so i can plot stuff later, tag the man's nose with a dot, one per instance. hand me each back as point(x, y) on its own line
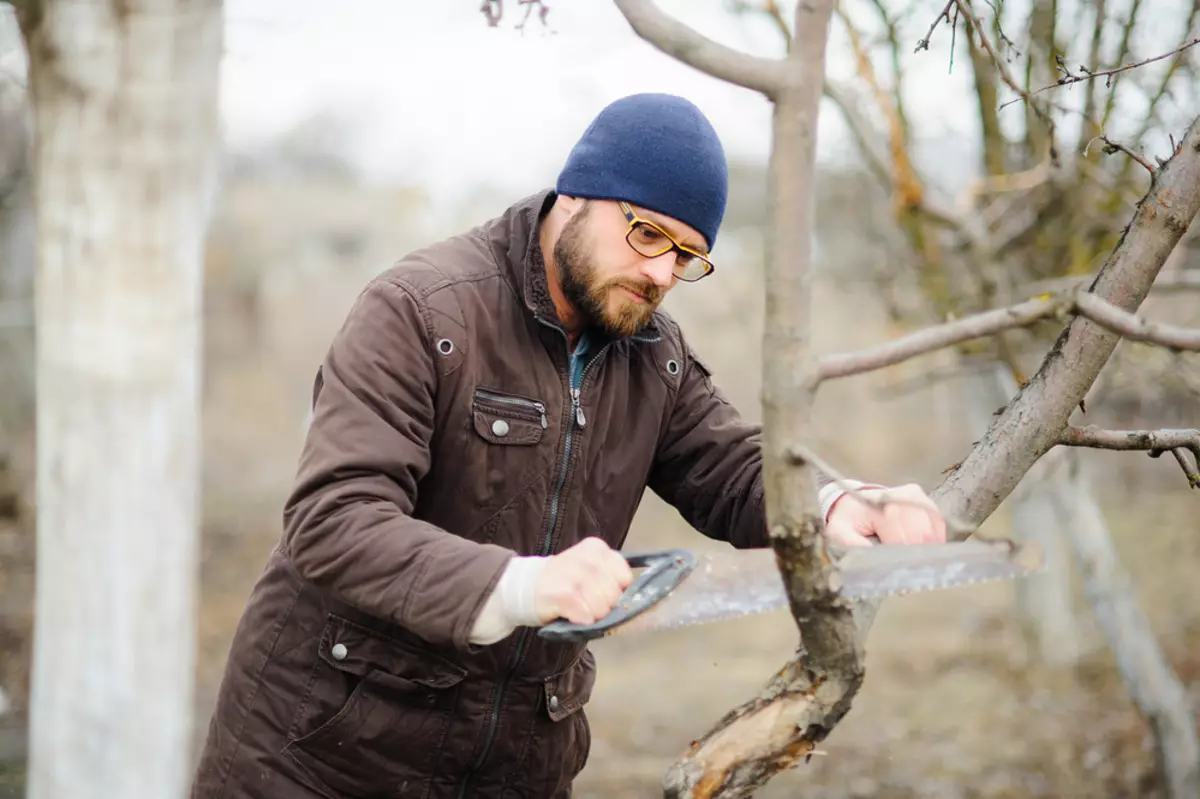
point(660, 269)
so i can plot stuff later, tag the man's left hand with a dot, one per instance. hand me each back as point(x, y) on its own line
point(912, 519)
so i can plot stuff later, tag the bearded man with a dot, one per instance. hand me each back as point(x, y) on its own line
point(483, 428)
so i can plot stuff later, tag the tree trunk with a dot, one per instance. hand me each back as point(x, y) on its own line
point(1154, 688)
point(126, 133)
point(1044, 601)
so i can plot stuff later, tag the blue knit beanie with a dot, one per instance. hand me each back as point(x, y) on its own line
point(653, 150)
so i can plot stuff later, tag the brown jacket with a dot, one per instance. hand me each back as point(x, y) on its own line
point(444, 439)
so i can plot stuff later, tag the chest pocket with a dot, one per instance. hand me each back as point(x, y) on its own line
point(508, 419)
point(508, 447)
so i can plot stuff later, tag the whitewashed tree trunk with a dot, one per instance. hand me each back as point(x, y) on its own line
point(126, 134)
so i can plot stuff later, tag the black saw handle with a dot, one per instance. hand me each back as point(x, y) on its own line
point(665, 569)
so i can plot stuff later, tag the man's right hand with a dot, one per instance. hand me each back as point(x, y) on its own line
point(582, 584)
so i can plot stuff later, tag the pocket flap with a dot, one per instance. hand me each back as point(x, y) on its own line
point(501, 429)
point(357, 650)
point(570, 690)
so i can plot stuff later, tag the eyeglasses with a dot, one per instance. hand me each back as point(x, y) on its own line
point(648, 239)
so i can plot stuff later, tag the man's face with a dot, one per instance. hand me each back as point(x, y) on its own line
point(610, 284)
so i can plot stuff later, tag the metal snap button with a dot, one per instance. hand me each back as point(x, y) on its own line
point(673, 366)
point(339, 652)
point(554, 703)
point(500, 427)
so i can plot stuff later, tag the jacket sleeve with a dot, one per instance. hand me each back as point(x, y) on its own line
point(709, 462)
point(348, 523)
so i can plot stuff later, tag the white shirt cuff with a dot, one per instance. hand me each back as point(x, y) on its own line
point(832, 492)
point(512, 603)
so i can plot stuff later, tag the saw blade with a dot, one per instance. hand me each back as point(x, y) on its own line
point(732, 584)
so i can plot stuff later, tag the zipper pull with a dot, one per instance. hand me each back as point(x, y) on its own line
point(579, 417)
point(541, 409)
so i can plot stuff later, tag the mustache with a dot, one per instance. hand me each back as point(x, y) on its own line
point(649, 291)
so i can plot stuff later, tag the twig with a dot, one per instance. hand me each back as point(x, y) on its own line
point(923, 44)
point(1176, 441)
point(1111, 147)
point(1069, 77)
point(1193, 474)
point(683, 43)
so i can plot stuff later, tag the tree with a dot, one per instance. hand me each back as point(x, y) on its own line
point(125, 142)
point(805, 700)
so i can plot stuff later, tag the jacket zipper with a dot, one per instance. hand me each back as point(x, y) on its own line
point(520, 402)
point(523, 636)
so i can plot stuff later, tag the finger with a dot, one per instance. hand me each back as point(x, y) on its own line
point(600, 595)
point(889, 527)
point(574, 609)
point(620, 569)
point(845, 535)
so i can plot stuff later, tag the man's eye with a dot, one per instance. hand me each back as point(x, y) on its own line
point(684, 258)
point(649, 235)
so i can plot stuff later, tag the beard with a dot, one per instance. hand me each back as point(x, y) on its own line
point(601, 303)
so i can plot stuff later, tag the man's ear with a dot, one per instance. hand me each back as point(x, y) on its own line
point(570, 205)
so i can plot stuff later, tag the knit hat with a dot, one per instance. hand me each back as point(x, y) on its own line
point(653, 150)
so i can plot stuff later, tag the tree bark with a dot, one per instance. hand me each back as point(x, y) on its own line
point(126, 133)
point(1154, 688)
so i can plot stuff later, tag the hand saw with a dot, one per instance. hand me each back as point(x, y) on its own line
point(680, 587)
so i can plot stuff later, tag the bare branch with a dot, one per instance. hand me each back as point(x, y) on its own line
point(939, 336)
point(1156, 442)
point(685, 44)
point(1111, 147)
point(1131, 327)
point(1070, 78)
point(923, 44)
point(1192, 472)
point(1151, 440)
point(1079, 301)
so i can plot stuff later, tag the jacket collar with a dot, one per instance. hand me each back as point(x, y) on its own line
point(523, 253)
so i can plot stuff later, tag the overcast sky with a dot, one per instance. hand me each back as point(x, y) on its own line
point(437, 96)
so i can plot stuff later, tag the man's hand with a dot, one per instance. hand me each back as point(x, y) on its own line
point(581, 584)
point(914, 519)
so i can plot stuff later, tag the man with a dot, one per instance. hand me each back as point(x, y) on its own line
point(483, 428)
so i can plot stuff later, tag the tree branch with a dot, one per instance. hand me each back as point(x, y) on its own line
point(923, 44)
point(685, 44)
point(937, 337)
point(1079, 301)
point(1070, 77)
point(1156, 442)
point(1133, 328)
point(1111, 147)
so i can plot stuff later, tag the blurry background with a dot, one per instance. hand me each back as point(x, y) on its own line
point(360, 131)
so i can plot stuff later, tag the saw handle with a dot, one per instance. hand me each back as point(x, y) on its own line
point(665, 569)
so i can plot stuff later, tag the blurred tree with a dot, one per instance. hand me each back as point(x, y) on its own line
point(124, 105)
